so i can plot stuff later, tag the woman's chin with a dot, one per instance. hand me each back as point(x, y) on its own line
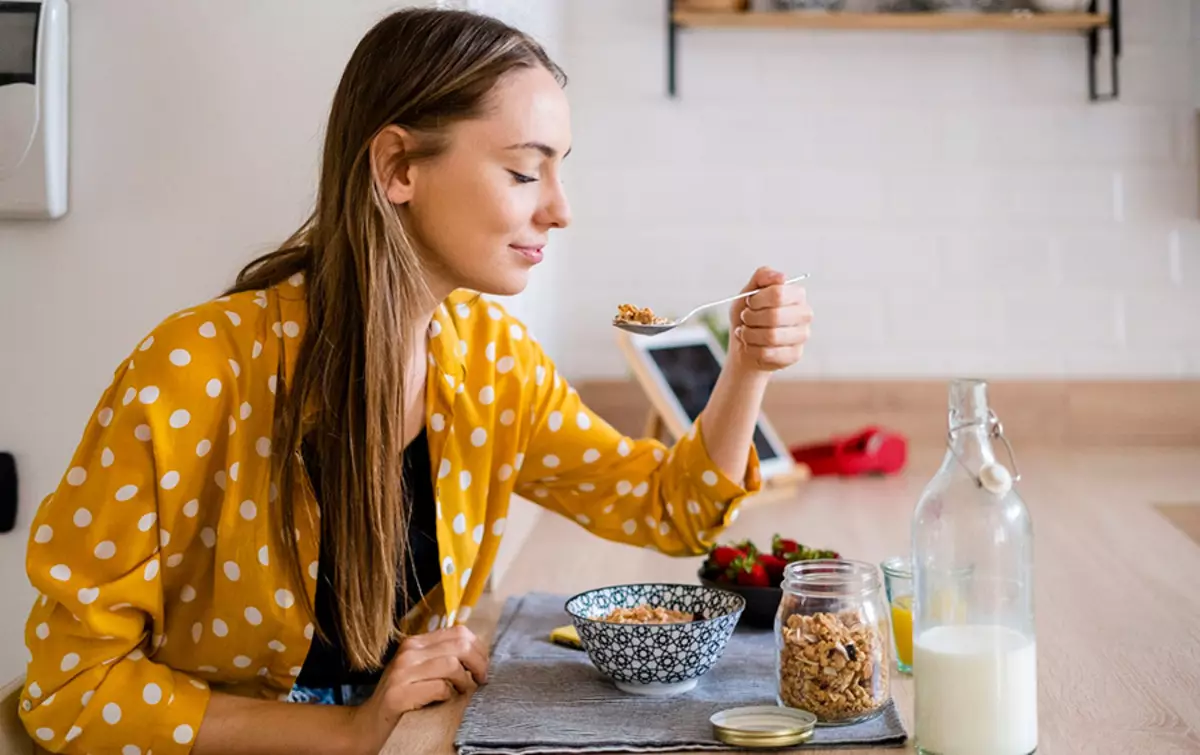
point(501, 282)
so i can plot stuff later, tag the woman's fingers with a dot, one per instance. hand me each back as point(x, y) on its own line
point(787, 336)
point(777, 317)
point(457, 642)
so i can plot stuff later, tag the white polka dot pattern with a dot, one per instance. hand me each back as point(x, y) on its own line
point(174, 470)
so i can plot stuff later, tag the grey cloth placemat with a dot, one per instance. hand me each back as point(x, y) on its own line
point(544, 698)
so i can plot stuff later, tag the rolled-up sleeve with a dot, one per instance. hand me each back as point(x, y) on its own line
point(94, 556)
point(637, 491)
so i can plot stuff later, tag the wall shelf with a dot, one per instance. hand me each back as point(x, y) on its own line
point(1088, 24)
point(1032, 22)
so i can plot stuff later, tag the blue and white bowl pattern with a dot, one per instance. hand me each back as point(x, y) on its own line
point(656, 659)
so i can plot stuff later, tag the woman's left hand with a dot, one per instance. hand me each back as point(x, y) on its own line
point(770, 328)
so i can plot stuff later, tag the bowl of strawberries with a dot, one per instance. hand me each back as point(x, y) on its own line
point(756, 574)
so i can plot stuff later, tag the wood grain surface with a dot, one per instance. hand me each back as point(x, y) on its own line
point(1117, 591)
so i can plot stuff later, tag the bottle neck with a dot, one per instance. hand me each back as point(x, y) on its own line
point(969, 423)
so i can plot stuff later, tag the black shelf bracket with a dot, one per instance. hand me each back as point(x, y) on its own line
point(1114, 53)
point(1093, 52)
point(672, 41)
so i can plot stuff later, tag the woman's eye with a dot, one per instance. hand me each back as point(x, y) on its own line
point(521, 178)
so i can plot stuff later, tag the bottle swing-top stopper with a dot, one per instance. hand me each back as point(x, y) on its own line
point(993, 476)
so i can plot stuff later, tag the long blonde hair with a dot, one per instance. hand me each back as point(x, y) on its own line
point(421, 69)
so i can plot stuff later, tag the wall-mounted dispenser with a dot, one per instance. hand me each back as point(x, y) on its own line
point(34, 74)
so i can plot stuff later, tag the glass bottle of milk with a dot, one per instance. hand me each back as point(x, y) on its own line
point(975, 651)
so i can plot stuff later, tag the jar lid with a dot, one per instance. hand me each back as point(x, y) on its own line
point(763, 726)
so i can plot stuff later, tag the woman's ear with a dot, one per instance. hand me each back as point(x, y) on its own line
point(391, 165)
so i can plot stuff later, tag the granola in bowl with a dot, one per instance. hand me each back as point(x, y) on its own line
point(655, 658)
point(647, 614)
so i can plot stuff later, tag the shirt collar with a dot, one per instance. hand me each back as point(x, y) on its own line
point(445, 343)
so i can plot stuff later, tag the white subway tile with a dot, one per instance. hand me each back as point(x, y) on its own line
point(1116, 258)
point(1196, 78)
point(678, 268)
point(885, 258)
point(953, 198)
point(968, 137)
point(1162, 318)
point(846, 319)
point(962, 70)
point(1065, 132)
point(714, 65)
point(884, 363)
point(1122, 134)
point(1155, 22)
point(828, 69)
point(947, 318)
point(1001, 362)
point(1160, 195)
point(1186, 125)
point(1011, 261)
point(667, 198)
point(1066, 318)
point(1051, 69)
point(596, 194)
point(1062, 196)
point(1125, 363)
point(1156, 74)
point(863, 137)
point(790, 250)
point(1186, 271)
point(802, 197)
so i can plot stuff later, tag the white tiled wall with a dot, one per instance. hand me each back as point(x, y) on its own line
point(960, 203)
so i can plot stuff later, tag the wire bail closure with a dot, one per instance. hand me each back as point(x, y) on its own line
point(994, 477)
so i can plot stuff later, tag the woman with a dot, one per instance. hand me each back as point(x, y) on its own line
point(296, 491)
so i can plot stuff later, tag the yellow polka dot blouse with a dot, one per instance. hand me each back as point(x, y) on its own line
point(152, 560)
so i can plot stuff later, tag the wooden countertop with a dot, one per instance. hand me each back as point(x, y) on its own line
point(1117, 592)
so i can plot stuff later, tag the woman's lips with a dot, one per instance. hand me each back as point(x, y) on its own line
point(531, 253)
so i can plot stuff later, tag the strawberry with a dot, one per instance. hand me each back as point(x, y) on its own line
point(781, 546)
point(719, 560)
point(774, 566)
point(747, 546)
point(749, 573)
point(809, 554)
point(724, 555)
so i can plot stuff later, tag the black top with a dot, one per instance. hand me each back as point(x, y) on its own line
point(327, 664)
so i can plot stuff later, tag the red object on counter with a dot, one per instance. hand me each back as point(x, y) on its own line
point(870, 451)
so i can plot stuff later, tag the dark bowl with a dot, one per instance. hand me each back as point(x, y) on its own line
point(762, 603)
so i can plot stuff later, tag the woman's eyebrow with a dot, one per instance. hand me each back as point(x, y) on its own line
point(545, 149)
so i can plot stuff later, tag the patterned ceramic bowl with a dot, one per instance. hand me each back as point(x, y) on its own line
point(656, 659)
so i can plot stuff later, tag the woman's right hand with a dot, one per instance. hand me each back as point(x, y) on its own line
point(426, 669)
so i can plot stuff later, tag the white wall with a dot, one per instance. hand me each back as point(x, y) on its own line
point(195, 140)
point(962, 207)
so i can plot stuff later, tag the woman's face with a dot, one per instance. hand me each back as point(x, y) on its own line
point(482, 210)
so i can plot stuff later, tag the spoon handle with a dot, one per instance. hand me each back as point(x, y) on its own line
point(797, 279)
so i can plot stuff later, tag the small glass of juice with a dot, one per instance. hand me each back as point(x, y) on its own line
point(898, 583)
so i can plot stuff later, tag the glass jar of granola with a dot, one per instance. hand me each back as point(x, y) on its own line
point(833, 639)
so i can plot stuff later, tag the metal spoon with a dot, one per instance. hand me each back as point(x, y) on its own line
point(654, 330)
